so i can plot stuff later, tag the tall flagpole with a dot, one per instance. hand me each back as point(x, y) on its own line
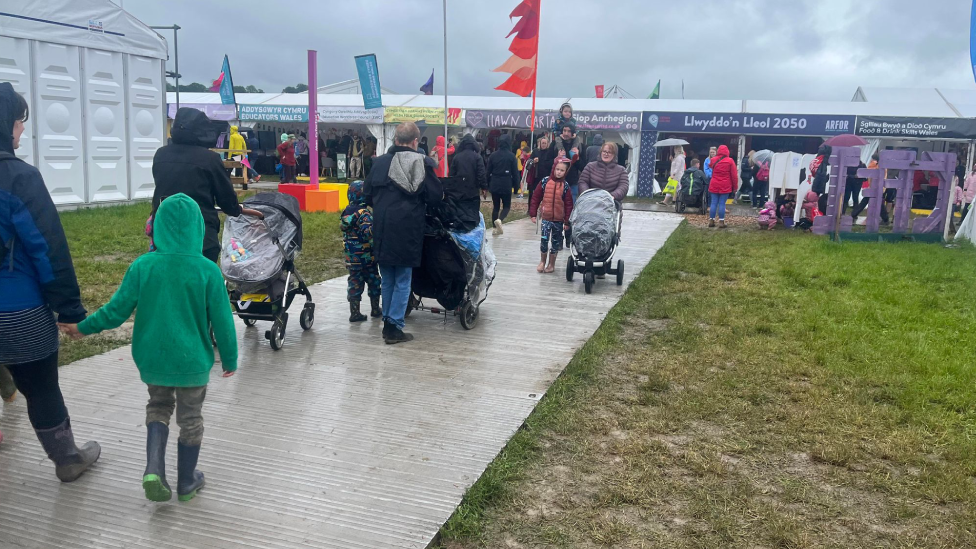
point(445, 86)
point(535, 78)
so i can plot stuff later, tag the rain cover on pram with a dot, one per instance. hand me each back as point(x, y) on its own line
point(454, 263)
point(594, 222)
point(254, 251)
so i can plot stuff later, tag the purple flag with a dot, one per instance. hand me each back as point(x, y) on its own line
point(428, 88)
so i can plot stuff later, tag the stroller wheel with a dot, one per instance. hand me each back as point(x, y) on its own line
point(249, 322)
point(276, 335)
point(570, 268)
point(412, 304)
point(620, 272)
point(469, 315)
point(588, 281)
point(307, 318)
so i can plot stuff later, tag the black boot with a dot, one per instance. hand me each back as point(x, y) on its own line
point(354, 314)
point(69, 460)
point(376, 311)
point(396, 335)
point(387, 329)
point(190, 480)
point(154, 479)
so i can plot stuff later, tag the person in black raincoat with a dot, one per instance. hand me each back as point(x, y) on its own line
point(503, 175)
point(188, 166)
point(400, 188)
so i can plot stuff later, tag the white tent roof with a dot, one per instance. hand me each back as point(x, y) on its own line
point(97, 24)
point(929, 109)
point(959, 103)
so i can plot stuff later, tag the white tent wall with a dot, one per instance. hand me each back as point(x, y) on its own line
point(107, 151)
point(95, 92)
point(57, 117)
point(145, 91)
point(15, 68)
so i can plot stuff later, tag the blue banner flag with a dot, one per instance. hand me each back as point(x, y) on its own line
point(369, 81)
point(428, 88)
point(227, 85)
point(972, 39)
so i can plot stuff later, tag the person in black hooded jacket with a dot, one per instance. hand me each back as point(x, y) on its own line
point(503, 176)
point(188, 166)
point(468, 181)
point(37, 282)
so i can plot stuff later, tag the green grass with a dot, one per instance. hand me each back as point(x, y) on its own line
point(105, 241)
point(755, 389)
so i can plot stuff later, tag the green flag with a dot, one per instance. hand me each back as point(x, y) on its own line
point(656, 94)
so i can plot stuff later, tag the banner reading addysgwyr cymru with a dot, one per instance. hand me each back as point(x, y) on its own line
point(430, 115)
point(299, 113)
point(273, 113)
point(935, 128)
point(369, 80)
point(749, 124)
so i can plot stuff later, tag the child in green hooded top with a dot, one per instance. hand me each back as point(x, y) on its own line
point(178, 295)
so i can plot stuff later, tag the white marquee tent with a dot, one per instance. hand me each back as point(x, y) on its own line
point(93, 78)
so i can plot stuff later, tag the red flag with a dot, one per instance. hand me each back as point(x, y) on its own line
point(522, 64)
point(599, 92)
point(518, 86)
point(215, 85)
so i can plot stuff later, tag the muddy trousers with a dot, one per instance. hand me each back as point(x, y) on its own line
point(188, 403)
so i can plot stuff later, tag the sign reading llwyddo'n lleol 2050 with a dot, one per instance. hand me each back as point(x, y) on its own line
point(749, 124)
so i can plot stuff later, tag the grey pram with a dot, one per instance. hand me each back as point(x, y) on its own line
point(258, 262)
point(596, 222)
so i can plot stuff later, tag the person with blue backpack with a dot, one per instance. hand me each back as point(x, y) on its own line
point(38, 289)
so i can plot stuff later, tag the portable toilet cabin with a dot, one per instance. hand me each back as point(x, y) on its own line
point(94, 80)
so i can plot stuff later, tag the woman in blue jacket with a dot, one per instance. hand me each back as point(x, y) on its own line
point(37, 282)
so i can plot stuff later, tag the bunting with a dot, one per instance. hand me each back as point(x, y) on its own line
point(522, 65)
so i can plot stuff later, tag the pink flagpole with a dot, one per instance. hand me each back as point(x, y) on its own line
point(313, 126)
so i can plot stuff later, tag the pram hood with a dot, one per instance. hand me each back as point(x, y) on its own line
point(254, 251)
point(594, 222)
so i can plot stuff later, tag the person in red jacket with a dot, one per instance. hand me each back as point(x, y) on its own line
point(286, 151)
point(552, 201)
point(441, 157)
point(725, 180)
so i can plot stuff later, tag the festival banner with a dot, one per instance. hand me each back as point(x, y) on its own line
point(930, 128)
point(585, 121)
point(430, 115)
point(507, 119)
point(369, 80)
point(273, 113)
point(749, 124)
point(213, 111)
point(348, 115)
point(608, 121)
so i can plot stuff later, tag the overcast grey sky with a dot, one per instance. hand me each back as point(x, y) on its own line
point(728, 49)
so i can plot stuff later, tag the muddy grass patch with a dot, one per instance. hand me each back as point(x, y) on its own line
point(760, 412)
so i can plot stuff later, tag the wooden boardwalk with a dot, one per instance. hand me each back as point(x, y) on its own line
point(336, 441)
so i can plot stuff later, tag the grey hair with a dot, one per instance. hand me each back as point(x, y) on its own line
point(406, 133)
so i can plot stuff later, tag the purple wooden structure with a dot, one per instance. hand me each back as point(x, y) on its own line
point(841, 158)
point(905, 161)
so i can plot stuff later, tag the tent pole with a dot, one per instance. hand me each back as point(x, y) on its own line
point(445, 87)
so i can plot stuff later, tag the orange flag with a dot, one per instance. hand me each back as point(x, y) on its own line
point(522, 64)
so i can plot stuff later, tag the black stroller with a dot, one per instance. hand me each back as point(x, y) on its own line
point(692, 193)
point(258, 262)
point(456, 270)
point(596, 223)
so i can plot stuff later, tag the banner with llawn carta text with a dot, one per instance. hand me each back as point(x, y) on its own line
point(432, 116)
point(585, 121)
